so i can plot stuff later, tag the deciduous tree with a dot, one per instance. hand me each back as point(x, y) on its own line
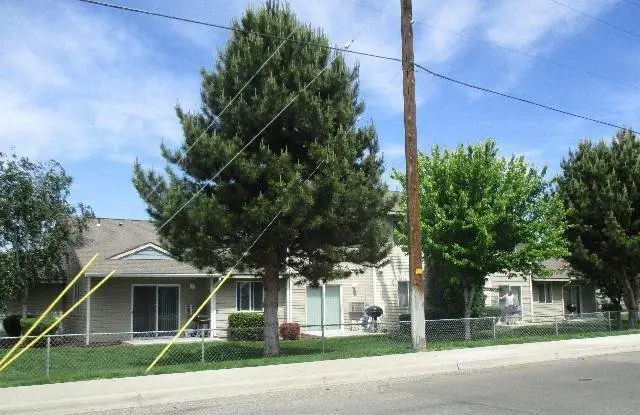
point(38, 225)
point(483, 214)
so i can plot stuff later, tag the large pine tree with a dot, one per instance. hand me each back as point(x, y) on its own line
point(600, 186)
point(335, 218)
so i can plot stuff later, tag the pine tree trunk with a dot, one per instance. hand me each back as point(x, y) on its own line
point(469, 294)
point(271, 337)
point(632, 292)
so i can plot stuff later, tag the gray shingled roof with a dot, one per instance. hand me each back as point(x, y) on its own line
point(560, 269)
point(111, 237)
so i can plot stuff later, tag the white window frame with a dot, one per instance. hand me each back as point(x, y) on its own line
point(546, 286)
point(251, 290)
point(408, 290)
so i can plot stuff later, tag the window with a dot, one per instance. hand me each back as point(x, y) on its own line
point(545, 292)
point(249, 296)
point(403, 294)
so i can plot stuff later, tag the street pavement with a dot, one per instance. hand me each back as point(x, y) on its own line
point(343, 382)
point(593, 385)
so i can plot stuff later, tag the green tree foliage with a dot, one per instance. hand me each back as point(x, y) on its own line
point(482, 214)
point(335, 218)
point(599, 186)
point(38, 225)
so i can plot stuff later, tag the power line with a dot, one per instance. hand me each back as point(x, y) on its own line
point(471, 39)
point(629, 2)
point(346, 50)
point(523, 100)
point(597, 19)
point(233, 29)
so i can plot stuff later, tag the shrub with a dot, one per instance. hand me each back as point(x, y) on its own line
point(434, 313)
point(26, 324)
point(490, 312)
point(611, 307)
point(11, 325)
point(290, 331)
point(246, 325)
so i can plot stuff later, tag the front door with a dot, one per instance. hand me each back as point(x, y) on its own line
point(330, 294)
point(155, 308)
point(168, 302)
point(576, 298)
point(332, 307)
point(144, 308)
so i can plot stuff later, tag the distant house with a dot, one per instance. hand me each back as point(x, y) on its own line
point(542, 297)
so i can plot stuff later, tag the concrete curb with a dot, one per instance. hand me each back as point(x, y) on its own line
point(121, 393)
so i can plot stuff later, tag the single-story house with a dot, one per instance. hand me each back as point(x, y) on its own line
point(544, 296)
point(152, 291)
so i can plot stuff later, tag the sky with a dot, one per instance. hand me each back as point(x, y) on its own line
point(95, 88)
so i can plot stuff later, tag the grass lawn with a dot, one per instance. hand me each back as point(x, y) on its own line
point(79, 363)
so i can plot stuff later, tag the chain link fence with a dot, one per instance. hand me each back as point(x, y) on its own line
point(68, 357)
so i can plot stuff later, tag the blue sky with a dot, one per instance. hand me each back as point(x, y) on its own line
point(95, 88)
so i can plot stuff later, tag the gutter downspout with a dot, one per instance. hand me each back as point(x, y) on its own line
point(564, 306)
point(289, 299)
point(531, 297)
point(373, 283)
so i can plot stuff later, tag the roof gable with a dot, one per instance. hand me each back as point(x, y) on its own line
point(146, 251)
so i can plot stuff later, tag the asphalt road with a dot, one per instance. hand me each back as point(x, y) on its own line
point(607, 384)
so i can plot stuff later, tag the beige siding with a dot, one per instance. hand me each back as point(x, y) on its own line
point(497, 280)
point(40, 297)
point(386, 284)
point(589, 303)
point(76, 322)
point(226, 303)
point(111, 306)
point(356, 290)
point(556, 307)
point(282, 301)
point(299, 301)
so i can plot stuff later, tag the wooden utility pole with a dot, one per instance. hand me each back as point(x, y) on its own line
point(416, 272)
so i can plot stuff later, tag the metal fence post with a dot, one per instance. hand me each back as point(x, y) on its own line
point(322, 317)
point(555, 322)
point(47, 363)
point(202, 347)
point(494, 327)
point(609, 318)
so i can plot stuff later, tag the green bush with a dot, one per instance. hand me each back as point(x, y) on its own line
point(26, 324)
point(11, 325)
point(490, 312)
point(611, 307)
point(434, 313)
point(246, 325)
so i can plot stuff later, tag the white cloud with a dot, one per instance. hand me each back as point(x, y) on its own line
point(75, 85)
point(523, 24)
point(79, 81)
